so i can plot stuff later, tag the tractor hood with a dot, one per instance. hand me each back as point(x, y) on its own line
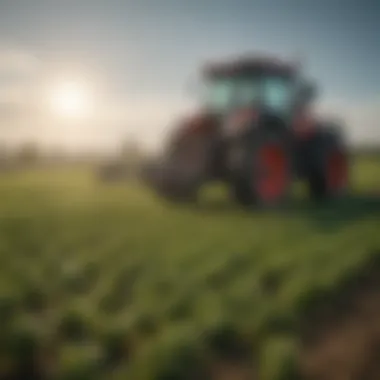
point(202, 121)
point(241, 120)
point(205, 122)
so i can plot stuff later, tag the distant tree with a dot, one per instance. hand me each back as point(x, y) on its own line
point(59, 154)
point(131, 152)
point(3, 155)
point(3, 151)
point(28, 153)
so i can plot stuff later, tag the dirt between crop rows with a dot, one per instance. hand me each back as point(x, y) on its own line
point(341, 337)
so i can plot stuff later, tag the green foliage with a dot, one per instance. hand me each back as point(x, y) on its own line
point(124, 286)
point(278, 359)
point(78, 362)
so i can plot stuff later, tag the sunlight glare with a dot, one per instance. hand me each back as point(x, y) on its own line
point(71, 99)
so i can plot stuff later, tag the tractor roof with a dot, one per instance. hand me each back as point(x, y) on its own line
point(251, 64)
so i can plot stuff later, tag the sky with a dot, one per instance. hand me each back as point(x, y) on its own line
point(138, 59)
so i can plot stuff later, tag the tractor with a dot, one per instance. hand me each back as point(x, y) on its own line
point(255, 131)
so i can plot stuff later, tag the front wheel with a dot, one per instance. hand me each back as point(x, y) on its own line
point(264, 175)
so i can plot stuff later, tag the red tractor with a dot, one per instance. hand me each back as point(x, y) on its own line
point(256, 133)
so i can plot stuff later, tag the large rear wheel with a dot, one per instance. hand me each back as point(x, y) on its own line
point(179, 176)
point(328, 174)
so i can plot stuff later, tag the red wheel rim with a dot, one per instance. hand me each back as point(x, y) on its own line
point(337, 171)
point(273, 172)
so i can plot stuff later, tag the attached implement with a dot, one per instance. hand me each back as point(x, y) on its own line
point(255, 131)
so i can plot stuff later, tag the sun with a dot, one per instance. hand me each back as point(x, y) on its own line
point(71, 99)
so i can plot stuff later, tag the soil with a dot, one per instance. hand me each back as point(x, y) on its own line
point(341, 337)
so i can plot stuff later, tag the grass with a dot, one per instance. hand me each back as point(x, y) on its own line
point(105, 281)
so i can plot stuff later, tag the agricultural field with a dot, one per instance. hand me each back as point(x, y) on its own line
point(105, 281)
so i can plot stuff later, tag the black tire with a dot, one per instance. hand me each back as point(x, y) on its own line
point(247, 171)
point(327, 154)
point(173, 185)
point(183, 171)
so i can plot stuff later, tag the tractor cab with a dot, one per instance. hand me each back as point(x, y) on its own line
point(260, 84)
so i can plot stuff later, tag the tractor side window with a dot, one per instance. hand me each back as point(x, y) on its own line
point(219, 94)
point(277, 94)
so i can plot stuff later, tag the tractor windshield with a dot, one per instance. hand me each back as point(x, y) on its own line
point(224, 94)
point(227, 93)
point(219, 94)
